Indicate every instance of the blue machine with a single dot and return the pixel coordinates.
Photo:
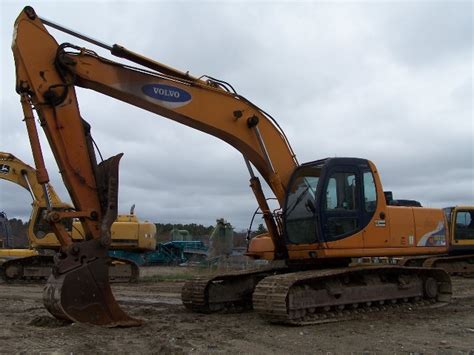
(170, 253)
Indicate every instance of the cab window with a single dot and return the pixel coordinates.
(340, 205)
(299, 214)
(370, 193)
(464, 225)
(341, 192)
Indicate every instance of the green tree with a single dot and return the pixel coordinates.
(260, 230)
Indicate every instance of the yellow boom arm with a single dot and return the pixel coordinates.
(16, 171)
(20, 173)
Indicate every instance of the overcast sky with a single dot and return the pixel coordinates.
(386, 81)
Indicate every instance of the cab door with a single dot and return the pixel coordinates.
(340, 213)
(343, 210)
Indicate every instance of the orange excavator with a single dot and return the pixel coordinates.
(332, 209)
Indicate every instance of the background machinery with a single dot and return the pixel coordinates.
(332, 209)
(459, 259)
(167, 253)
(128, 233)
(6, 239)
(132, 240)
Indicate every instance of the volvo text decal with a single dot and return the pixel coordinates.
(169, 96)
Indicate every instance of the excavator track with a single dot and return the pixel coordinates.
(27, 270)
(38, 268)
(414, 261)
(317, 296)
(460, 265)
(228, 292)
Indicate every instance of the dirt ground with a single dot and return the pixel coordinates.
(28, 328)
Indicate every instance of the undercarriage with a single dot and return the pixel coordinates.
(38, 269)
(460, 265)
(283, 295)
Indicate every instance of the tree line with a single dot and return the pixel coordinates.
(19, 231)
(19, 234)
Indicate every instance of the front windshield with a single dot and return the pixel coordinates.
(300, 206)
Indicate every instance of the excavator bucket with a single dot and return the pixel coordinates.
(79, 290)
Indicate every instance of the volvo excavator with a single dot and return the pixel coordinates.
(35, 264)
(332, 209)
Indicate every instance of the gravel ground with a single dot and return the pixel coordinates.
(169, 328)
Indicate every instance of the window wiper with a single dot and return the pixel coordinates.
(298, 200)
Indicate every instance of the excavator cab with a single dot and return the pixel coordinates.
(329, 200)
(42, 228)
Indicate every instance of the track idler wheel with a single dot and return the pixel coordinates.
(13, 271)
(430, 287)
(79, 290)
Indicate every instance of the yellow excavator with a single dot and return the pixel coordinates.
(331, 210)
(128, 233)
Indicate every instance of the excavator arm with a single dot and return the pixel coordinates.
(80, 267)
(86, 181)
(47, 74)
(50, 71)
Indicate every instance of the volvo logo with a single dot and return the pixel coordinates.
(169, 96)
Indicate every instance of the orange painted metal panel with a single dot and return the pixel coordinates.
(430, 227)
